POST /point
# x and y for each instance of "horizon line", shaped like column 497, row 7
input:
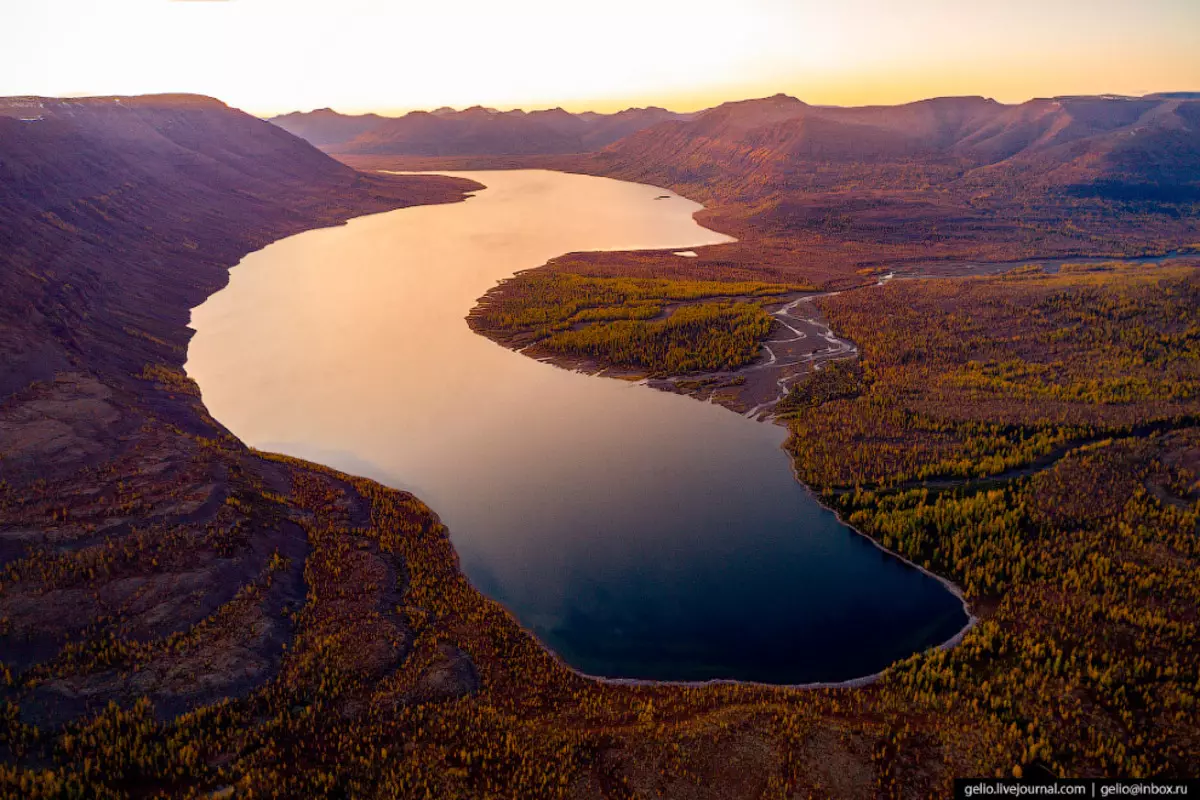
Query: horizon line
column 397, row 112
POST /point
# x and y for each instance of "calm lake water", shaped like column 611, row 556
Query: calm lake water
column 639, row 534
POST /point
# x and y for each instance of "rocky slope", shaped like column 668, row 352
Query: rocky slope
column 119, row 215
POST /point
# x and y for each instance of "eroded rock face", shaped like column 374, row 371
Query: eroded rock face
column 63, row 422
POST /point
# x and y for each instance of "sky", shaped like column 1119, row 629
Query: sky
column 390, row 56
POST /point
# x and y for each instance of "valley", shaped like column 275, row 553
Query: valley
column 185, row 614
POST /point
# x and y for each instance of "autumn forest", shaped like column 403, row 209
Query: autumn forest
column 977, row 323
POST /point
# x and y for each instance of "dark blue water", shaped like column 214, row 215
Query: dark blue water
column 712, row 562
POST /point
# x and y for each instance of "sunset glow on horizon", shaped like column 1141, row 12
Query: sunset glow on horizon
column 273, row 56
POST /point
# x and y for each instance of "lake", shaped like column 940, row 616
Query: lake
column 638, row 534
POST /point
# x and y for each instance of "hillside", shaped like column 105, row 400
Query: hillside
column 119, row 215
column 474, row 131
column 949, row 143
column 183, row 616
column 818, row 194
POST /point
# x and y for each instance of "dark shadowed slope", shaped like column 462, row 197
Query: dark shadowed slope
column 119, row 214
column 120, row 526
column 471, row 132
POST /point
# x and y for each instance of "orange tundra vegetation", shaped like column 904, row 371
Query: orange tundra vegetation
column 183, row 616
column 654, row 325
column 394, row 677
column 390, row 675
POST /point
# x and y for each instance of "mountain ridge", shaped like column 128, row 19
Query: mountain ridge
column 938, row 168
column 978, row 131
column 470, row 132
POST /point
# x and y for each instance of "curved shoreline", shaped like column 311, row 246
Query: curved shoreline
column 855, row 680
column 850, row 683
column 848, row 350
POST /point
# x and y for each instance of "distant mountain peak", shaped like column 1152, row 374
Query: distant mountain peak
column 779, row 98
column 477, row 130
